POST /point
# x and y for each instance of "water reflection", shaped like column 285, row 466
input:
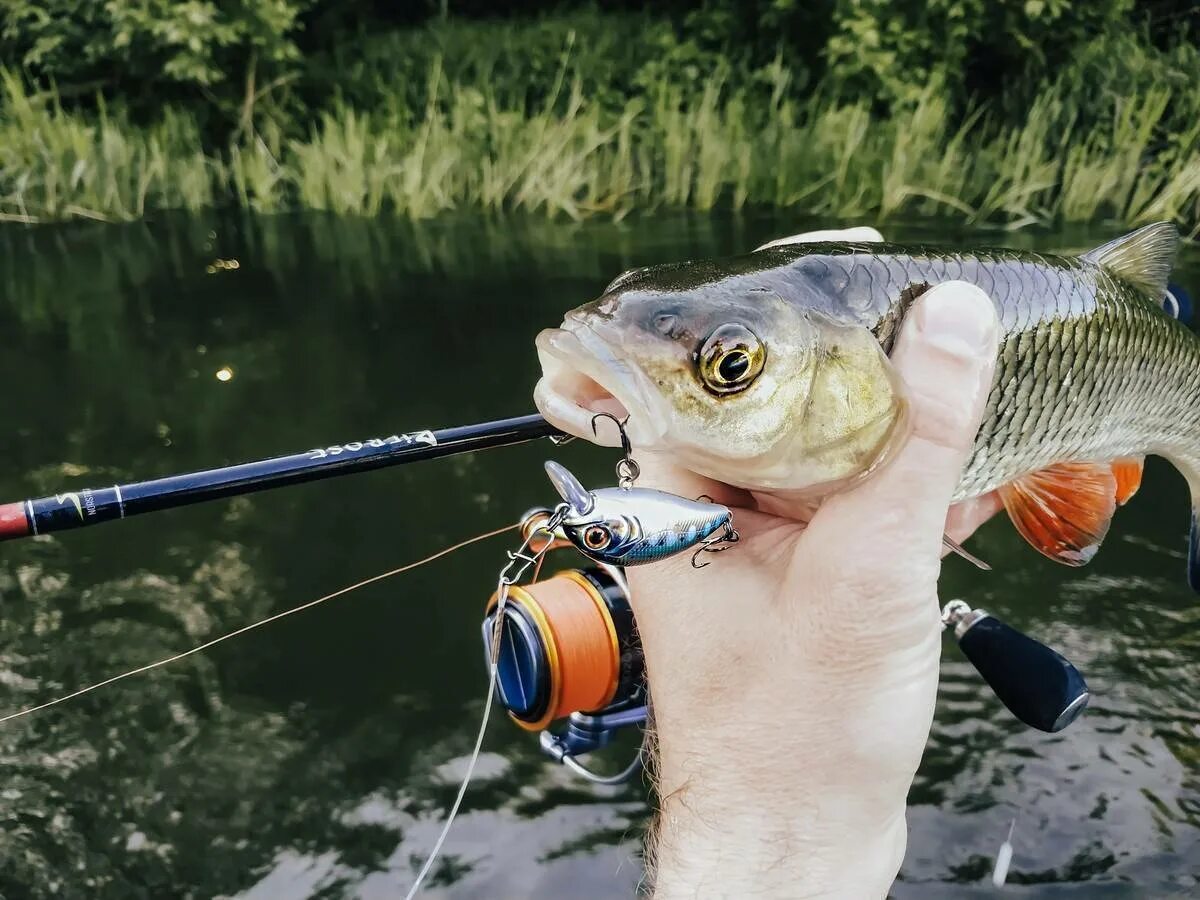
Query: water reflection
column 314, row 758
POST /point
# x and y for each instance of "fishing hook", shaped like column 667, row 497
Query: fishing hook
column 627, row 469
column 728, row 537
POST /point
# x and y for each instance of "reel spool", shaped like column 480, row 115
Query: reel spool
column 569, row 645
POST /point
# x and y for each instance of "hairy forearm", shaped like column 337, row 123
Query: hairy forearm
column 755, row 838
column 765, row 798
column 767, row 793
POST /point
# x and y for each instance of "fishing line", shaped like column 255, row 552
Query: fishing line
column 452, row 814
column 518, row 563
column 272, row 618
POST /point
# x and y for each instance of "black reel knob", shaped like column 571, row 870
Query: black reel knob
column 1038, row 685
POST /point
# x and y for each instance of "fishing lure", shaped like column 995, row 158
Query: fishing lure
column 627, row 526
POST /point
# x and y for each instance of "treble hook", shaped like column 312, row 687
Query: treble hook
column 728, row 537
column 627, row 469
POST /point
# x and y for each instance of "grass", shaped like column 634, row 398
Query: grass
column 468, row 138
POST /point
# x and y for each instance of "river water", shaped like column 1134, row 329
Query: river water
column 314, row 758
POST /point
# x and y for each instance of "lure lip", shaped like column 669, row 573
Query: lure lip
column 580, row 499
column 581, row 377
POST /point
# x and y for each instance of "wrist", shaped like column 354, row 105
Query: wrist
column 804, row 811
column 738, row 844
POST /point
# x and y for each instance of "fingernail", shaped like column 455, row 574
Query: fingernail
column 959, row 318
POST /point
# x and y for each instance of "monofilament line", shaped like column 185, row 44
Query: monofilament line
column 502, row 587
column 452, row 814
column 273, row 618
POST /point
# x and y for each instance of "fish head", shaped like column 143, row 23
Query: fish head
column 755, row 383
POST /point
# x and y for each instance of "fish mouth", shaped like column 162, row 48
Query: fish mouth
column 583, row 378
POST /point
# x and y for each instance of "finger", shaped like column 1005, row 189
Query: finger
column 965, row 517
column 658, row 471
column 945, row 356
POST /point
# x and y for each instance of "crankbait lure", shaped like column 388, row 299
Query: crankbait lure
column 626, row 526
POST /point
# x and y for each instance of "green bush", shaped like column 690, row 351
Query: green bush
column 139, row 45
column 888, row 51
column 522, row 60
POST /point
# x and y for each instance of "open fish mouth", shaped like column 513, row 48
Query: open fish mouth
column 582, row 378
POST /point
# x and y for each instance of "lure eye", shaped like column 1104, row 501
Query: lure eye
column 596, row 537
column 730, row 359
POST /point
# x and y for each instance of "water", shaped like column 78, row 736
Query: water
column 314, row 758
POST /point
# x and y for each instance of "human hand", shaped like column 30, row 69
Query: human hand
column 793, row 679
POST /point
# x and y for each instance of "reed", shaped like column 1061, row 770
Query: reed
column 467, row 137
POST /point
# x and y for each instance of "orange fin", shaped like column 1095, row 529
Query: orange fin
column 1128, row 473
column 1064, row 510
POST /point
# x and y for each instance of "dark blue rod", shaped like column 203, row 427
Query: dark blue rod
column 76, row 509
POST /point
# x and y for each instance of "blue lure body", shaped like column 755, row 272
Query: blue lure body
column 626, row 526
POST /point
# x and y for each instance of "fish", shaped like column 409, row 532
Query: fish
column 626, row 526
column 770, row 371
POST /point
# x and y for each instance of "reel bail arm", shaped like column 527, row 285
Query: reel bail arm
column 586, row 733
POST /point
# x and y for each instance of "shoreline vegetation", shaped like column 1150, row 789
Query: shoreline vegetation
column 603, row 113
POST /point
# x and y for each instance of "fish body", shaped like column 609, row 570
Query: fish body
column 769, row 371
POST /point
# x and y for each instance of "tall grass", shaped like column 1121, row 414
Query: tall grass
column 464, row 139
column 56, row 165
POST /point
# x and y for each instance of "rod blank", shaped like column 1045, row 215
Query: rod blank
column 90, row 506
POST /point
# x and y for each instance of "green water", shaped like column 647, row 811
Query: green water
column 314, row 758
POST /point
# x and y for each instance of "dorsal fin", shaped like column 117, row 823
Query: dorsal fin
column 857, row 234
column 1064, row 510
column 1142, row 257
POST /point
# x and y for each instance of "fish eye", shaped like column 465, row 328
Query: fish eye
column 730, row 359
column 596, row 537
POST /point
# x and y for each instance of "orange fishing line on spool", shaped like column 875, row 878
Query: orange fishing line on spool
column 581, row 644
column 592, row 666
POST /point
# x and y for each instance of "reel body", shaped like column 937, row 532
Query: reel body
column 570, row 650
column 569, row 644
column 568, row 647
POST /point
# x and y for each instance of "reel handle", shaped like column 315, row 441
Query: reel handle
column 1038, row 684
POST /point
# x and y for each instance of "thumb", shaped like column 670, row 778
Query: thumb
column 945, row 356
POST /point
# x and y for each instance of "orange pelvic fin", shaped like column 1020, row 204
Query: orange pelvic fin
column 1128, row 473
column 1064, row 511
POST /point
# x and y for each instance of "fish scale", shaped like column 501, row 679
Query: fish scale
column 1089, row 368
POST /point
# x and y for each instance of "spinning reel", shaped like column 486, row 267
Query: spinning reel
column 570, row 650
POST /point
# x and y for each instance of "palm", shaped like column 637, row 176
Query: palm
column 774, row 620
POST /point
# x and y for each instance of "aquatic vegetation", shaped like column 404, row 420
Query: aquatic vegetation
column 472, row 131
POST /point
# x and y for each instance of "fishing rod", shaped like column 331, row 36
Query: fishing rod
column 90, row 506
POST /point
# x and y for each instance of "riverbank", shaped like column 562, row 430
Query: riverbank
column 415, row 130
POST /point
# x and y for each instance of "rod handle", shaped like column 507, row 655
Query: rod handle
column 1038, row 684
